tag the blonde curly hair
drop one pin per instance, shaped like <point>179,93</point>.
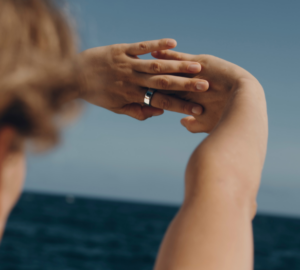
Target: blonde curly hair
<point>39,69</point>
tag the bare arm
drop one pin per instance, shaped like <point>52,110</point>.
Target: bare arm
<point>213,228</point>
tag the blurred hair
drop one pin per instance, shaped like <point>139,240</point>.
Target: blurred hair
<point>38,68</point>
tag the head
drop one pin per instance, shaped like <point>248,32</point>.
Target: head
<point>38,72</point>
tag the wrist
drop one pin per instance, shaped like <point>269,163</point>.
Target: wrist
<point>83,80</point>
<point>246,80</point>
<point>249,89</point>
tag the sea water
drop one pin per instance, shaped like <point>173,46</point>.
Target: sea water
<point>47,232</point>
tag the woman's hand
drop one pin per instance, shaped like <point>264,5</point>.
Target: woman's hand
<point>116,79</point>
<point>223,78</point>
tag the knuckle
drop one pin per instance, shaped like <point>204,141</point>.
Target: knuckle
<point>183,67</point>
<point>163,42</point>
<point>156,67</point>
<point>131,95</point>
<point>143,46</point>
<point>188,85</point>
<point>177,56</point>
<point>121,85</point>
<point>165,103</point>
<point>134,96</point>
<point>163,83</point>
<point>127,95</point>
<point>117,49</point>
<point>124,70</point>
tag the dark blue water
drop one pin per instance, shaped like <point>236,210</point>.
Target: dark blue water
<point>50,232</point>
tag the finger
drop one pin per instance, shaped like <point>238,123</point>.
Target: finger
<point>169,82</point>
<point>172,55</point>
<point>173,104</point>
<point>192,125</point>
<point>141,112</point>
<point>165,66</point>
<point>150,46</point>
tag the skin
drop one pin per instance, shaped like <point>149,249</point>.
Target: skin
<point>116,79</point>
<point>220,91</point>
<point>12,174</point>
<point>213,229</point>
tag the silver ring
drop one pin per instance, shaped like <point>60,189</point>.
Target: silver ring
<point>148,96</point>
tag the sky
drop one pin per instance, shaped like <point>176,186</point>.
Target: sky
<point>105,155</point>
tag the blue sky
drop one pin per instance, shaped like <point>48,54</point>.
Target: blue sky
<point>113,156</point>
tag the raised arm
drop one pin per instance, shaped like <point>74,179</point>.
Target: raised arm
<point>213,228</point>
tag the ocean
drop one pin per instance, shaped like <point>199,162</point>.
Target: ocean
<point>49,232</point>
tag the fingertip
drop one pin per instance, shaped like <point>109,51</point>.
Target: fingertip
<point>207,85</point>
<point>157,54</point>
<point>202,85</point>
<point>154,54</point>
<point>183,122</point>
<point>172,43</point>
<point>194,67</point>
<point>197,110</point>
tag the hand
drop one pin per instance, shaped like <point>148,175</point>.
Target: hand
<point>222,76</point>
<point>116,79</point>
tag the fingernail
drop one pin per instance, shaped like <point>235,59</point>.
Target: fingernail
<point>194,68</point>
<point>197,110</point>
<point>171,43</point>
<point>201,86</point>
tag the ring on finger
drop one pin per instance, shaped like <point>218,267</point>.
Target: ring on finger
<point>148,96</point>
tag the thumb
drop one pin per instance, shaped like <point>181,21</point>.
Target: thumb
<point>192,124</point>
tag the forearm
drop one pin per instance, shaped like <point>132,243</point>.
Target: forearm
<point>213,228</point>
<point>210,232</point>
<point>235,150</point>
